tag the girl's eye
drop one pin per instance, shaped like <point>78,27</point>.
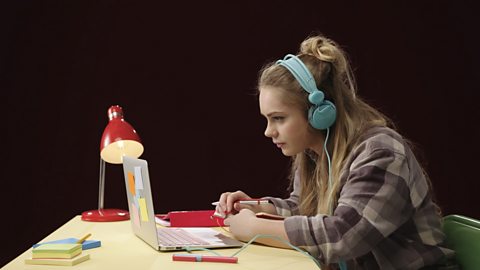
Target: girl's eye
<point>278,118</point>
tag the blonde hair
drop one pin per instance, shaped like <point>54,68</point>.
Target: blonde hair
<point>330,67</point>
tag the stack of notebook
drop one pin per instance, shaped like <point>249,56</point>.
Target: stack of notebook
<point>57,254</point>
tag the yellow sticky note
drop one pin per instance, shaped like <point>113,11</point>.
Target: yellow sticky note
<point>131,183</point>
<point>143,209</point>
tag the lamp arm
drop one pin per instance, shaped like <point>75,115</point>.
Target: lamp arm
<point>101,184</point>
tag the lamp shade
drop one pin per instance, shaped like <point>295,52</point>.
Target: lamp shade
<point>119,138</point>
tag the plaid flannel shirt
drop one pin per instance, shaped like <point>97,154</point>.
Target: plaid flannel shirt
<point>385,217</point>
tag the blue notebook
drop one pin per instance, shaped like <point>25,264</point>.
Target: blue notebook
<point>87,244</point>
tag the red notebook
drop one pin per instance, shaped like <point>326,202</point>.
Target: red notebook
<point>197,218</point>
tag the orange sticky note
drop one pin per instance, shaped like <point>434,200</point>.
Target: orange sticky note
<point>143,209</point>
<point>131,183</point>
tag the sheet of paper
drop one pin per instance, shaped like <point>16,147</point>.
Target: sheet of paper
<point>162,222</point>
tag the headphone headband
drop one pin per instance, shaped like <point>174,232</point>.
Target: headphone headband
<point>300,72</point>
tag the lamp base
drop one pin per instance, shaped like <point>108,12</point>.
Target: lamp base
<point>105,215</point>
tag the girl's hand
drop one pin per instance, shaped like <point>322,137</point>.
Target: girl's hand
<point>242,225</point>
<point>226,203</point>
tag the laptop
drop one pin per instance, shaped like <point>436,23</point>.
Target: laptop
<point>142,216</point>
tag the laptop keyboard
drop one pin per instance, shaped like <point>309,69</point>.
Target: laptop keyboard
<point>178,237</point>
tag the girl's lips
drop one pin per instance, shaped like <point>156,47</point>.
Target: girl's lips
<point>279,145</point>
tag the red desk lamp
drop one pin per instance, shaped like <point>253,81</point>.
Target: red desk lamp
<point>119,139</point>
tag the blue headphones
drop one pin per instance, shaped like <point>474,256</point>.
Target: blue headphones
<point>322,113</point>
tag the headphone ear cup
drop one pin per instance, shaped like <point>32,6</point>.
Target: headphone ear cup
<point>322,116</point>
<point>316,97</point>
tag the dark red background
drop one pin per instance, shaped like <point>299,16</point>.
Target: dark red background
<point>185,74</point>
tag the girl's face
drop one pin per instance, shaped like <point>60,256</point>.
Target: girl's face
<point>286,124</point>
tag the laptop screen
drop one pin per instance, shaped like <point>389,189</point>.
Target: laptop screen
<point>140,202</point>
<point>142,214</point>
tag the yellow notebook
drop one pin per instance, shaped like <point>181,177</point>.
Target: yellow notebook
<point>56,255</point>
<point>72,261</point>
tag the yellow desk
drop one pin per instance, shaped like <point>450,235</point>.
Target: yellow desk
<point>121,249</point>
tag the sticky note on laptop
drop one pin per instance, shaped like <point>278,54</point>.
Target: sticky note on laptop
<point>143,209</point>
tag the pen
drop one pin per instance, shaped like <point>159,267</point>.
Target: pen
<point>202,258</point>
<point>81,240</point>
<point>248,201</point>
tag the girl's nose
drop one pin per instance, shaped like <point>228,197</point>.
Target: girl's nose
<point>270,132</point>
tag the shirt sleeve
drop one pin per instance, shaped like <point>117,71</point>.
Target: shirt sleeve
<point>373,203</point>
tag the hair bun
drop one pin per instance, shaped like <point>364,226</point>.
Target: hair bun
<point>320,47</point>
<point>326,50</point>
